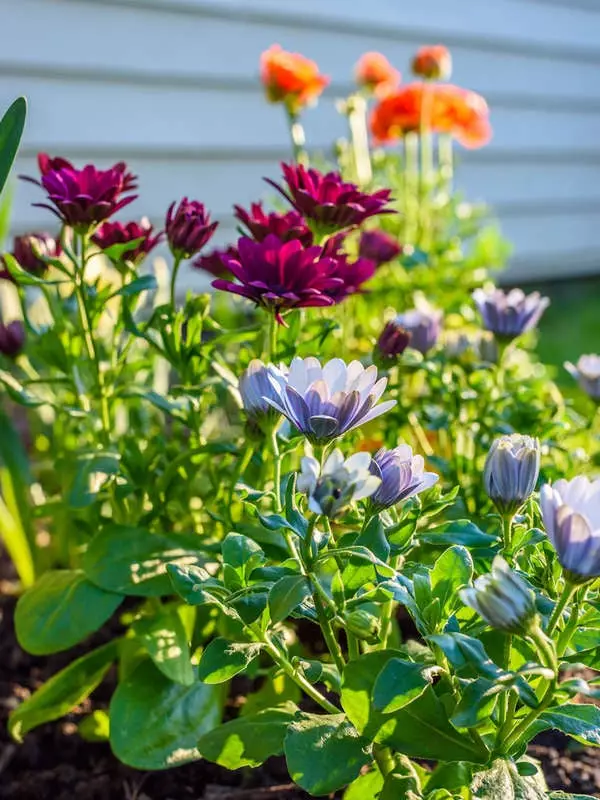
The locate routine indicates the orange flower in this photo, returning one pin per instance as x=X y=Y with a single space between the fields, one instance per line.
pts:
x=433 y=62
x=375 y=73
x=290 y=78
x=449 y=109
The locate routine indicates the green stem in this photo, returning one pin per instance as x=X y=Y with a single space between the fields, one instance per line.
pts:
x=507 y=522
x=298 y=138
x=446 y=162
x=426 y=172
x=242 y=465
x=504 y=697
x=276 y=469
x=563 y=600
x=384 y=759
x=411 y=186
x=388 y=611
x=176 y=265
x=570 y=627
x=356 y=109
x=353 y=646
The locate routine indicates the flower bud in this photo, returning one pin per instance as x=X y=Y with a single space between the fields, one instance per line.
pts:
x=424 y=325
x=502 y=598
x=375 y=73
x=378 y=247
x=511 y=471
x=392 y=342
x=30 y=250
x=331 y=489
x=12 y=338
x=363 y=625
x=587 y=374
x=433 y=62
x=256 y=387
x=188 y=228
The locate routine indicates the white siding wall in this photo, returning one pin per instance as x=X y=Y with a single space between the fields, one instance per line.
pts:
x=172 y=87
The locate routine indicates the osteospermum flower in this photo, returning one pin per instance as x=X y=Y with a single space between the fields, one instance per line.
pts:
x=286 y=227
x=393 y=341
x=378 y=246
x=30 y=250
x=340 y=482
x=352 y=274
x=12 y=338
x=433 y=62
x=84 y=197
x=375 y=73
x=424 y=325
x=256 y=388
x=213 y=262
x=324 y=402
x=402 y=475
x=587 y=374
x=571 y=514
x=290 y=78
x=111 y=233
x=327 y=201
x=511 y=471
x=281 y=275
x=188 y=228
x=509 y=314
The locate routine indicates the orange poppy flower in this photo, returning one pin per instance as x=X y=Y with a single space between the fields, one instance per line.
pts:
x=290 y=78
x=433 y=62
x=374 y=72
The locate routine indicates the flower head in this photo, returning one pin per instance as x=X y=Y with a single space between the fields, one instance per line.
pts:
x=82 y=198
x=352 y=274
x=256 y=385
x=511 y=471
x=375 y=73
x=324 y=402
x=424 y=325
x=188 y=228
x=402 y=475
x=327 y=201
x=378 y=246
x=502 y=598
x=30 y=250
x=331 y=489
x=111 y=233
x=12 y=338
x=393 y=341
x=587 y=374
x=214 y=264
x=433 y=62
x=290 y=78
x=509 y=314
x=571 y=514
x=281 y=275
x=286 y=226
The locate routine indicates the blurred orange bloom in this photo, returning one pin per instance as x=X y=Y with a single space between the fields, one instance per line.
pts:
x=433 y=62
x=290 y=78
x=448 y=109
x=374 y=72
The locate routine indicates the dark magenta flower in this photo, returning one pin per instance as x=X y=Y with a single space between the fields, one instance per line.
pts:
x=378 y=246
x=12 y=338
x=327 y=201
x=82 y=198
x=213 y=262
x=286 y=226
x=353 y=274
x=111 y=233
x=188 y=228
x=282 y=275
x=393 y=341
x=30 y=250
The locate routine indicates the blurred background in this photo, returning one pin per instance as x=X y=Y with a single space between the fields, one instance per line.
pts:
x=171 y=87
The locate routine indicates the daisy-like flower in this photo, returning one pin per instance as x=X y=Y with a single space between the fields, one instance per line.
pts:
x=433 y=62
x=378 y=246
x=402 y=475
x=256 y=388
x=188 y=228
x=375 y=73
x=29 y=250
x=290 y=78
x=424 y=325
x=571 y=514
x=587 y=374
x=213 y=262
x=511 y=471
x=286 y=227
x=324 y=402
x=327 y=201
x=330 y=490
x=509 y=314
x=111 y=233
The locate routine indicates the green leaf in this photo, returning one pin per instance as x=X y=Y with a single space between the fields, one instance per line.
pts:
x=503 y=782
x=249 y=740
x=567 y=796
x=277 y=690
x=121 y=558
x=476 y=704
x=365 y=787
x=241 y=555
x=451 y=571
x=24 y=278
x=324 y=752
x=155 y=723
x=221 y=660
x=11 y=130
x=91 y=472
x=581 y=721
x=286 y=595
x=116 y=252
x=60 y=610
x=398 y=684
x=419 y=730
x=63 y=691
x=363 y=554
x=166 y=642
x=458 y=531
x=275 y=522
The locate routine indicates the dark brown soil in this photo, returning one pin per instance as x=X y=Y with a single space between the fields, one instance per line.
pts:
x=55 y=763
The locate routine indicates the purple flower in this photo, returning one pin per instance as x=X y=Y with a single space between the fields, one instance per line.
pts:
x=331 y=488
x=256 y=388
x=424 y=325
x=571 y=514
x=285 y=226
x=402 y=476
x=213 y=262
x=324 y=402
x=188 y=228
x=328 y=201
x=82 y=198
x=378 y=246
x=511 y=471
x=508 y=315
x=353 y=274
x=111 y=233
x=587 y=374
x=12 y=338
x=282 y=275
x=30 y=250
x=393 y=341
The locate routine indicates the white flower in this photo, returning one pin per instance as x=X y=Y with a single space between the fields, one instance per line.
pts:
x=587 y=374
x=502 y=598
x=256 y=388
x=338 y=484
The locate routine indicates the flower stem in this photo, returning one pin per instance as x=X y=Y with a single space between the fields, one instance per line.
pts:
x=507 y=522
x=504 y=697
x=426 y=172
x=356 y=110
x=384 y=759
x=446 y=161
x=276 y=469
x=298 y=138
x=176 y=265
x=563 y=600
x=411 y=186
x=388 y=611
